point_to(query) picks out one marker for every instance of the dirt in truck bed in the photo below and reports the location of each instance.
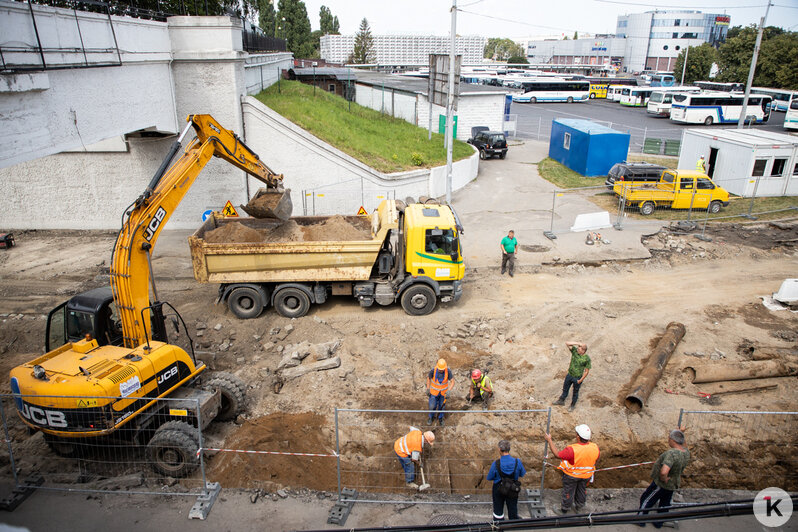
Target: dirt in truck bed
(333, 229)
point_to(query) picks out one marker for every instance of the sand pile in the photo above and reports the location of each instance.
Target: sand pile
(233, 232)
(335, 228)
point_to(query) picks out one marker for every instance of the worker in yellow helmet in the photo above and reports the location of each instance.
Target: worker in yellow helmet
(439, 382)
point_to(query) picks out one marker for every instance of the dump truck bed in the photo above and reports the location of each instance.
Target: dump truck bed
(641, 191)
(300, 260)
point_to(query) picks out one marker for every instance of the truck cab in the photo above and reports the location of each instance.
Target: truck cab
(432, 243)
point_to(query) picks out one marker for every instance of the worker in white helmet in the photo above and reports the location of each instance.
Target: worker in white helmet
(578, 463)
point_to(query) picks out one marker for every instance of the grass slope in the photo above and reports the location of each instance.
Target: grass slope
(385, 143)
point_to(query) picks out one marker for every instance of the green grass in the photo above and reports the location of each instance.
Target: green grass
(385, 143)
(564, 177)
(663, 160)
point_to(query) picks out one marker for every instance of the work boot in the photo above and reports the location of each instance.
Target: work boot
(412, 485)
(559, 402)
(512, 274)
(429, 421)
(441, 422)
(503, 272)
(572, 407)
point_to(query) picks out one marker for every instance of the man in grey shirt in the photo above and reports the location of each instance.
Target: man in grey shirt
(666, 475)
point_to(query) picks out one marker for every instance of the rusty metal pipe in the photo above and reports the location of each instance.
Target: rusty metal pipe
(645, 381)
(741, 371)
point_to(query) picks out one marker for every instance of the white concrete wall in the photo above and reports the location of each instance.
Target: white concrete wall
(390, 101)
(48, 112)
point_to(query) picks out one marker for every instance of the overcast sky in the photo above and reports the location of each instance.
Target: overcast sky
(520, 18)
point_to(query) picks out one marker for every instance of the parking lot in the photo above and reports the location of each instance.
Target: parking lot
(534, 120)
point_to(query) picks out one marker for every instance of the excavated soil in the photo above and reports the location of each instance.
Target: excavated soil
(265, 201)
(233, 232)
(333, 229)
(336, 228)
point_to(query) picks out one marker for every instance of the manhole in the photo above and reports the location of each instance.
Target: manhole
(534, 249)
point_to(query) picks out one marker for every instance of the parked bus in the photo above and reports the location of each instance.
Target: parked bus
(618, 92)
(718, 108)
(781, 97)
(600, 87)
(659, 103)
(722, 87)
(663, 79)
(553, 91)
(791, 118)
(635, 97)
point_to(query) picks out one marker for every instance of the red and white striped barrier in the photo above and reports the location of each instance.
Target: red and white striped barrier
(609, 468)
(242, 451)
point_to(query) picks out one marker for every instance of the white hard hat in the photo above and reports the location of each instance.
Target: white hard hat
(583, 431)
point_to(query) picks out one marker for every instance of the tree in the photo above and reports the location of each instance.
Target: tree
(267, 17)
(292, 15)
(327, 22)
(364, 45)
(502, 49)
(699, 63)
(517, 59)
(576, 35)
(776, 65)
(565, 37)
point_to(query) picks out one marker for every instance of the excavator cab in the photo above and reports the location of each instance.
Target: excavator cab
(93, 312)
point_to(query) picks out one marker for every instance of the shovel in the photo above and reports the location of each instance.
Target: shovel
(424, 485)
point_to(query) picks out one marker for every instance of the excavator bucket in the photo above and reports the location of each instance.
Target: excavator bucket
(270, 203)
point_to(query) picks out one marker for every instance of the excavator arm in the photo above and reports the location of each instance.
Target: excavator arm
(131, 269)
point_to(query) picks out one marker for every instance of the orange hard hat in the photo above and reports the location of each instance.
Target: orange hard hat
(430, 437)
(476, 374)
(441, 364)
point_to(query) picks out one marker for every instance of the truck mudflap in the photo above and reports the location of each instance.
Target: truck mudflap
(451, 291)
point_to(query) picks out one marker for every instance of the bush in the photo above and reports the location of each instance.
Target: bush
(417, 158)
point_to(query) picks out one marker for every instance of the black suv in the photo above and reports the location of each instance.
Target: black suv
(633, 172)
(489, 143)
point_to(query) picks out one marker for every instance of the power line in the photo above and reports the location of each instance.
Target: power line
(523, 23)
(640, 4)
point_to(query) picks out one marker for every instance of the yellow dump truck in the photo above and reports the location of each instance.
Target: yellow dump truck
(676, 189)
(407, 252)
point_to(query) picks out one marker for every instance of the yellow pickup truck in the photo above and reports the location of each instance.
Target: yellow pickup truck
(677, 189)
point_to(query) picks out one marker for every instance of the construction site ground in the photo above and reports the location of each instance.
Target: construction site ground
(618, 303)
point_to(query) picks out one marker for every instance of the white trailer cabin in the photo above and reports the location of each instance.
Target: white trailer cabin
(745, 162)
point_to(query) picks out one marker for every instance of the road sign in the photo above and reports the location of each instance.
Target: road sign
(207, 214)
(362, 212)
(229, 211)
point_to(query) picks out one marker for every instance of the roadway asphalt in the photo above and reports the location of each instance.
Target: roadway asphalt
(534, 120)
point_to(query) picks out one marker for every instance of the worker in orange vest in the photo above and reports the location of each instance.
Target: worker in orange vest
(408, 449)
(439, 382)
(578, 463)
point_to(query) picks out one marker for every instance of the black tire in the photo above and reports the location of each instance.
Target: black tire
(483, 154)
(533, 100)
(647, 208)
(570, 99)
(708, 121)
(592, 96)
(502, 155)
(419, 300)
(233, 392)
(65, 447)
(291, 302)
(172, 451)
(714, 207)
(245, 302)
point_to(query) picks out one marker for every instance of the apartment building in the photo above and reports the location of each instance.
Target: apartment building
(401, 50)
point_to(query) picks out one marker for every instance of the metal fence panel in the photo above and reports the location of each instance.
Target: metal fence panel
(568, 204)
(154, 451)
(323, 202)
(735, 449)
(456, 464)
(643, 205)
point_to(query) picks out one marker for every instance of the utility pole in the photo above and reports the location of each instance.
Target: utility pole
(684, 66)
(741, 120)
(450, 104)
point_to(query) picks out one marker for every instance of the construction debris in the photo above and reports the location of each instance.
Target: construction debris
(647, 378)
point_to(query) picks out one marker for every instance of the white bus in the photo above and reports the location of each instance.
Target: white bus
(781, 97)
(636, 97)
(723, 87)
(791, 118)
(619, 92)
(718, 108)
(553, 91)
(659, 103)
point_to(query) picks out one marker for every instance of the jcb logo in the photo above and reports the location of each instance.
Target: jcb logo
(154, 224)
(40, 416)
(168, 374)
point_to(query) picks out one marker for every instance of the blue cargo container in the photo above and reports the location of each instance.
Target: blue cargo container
(586, 147)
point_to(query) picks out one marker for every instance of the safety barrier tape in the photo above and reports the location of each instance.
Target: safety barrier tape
(243, 451)
(607, 468)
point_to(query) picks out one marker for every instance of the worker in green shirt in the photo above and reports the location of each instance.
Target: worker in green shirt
(666, 475)
(577, 372)
(509, 247)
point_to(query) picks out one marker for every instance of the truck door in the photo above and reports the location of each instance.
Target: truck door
(703, 189)
(683, 194)
(441, 257)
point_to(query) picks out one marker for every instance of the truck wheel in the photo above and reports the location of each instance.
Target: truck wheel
(172, 451)
(570, 99)
(647, 208)
(64, 447)
(245, 302)
(708, 121)
(233, 392)
(419, 300)
(714, 207)
(291, 302)
(483, 154)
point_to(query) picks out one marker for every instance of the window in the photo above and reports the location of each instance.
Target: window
(440, 241)
(795, 169)
(759, 167)
(678, 21)
(331, 87)
(704, 184)
(566, 141)
(686, 184)
(675, 35)
(778, 167)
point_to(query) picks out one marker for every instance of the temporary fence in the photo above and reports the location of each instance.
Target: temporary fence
(457, 463)
(754, 449)
(567, 205)
(327, 201)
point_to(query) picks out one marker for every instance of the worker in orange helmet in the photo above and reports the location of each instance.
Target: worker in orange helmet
(408, 449)
(481, 389)
(439, 382)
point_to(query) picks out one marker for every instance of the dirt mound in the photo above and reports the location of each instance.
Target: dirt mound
(233, 232)
(335, 228)
(290, 433)
(289, 231)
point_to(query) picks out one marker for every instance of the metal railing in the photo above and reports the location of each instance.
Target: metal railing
(258, 42)
(329, 201)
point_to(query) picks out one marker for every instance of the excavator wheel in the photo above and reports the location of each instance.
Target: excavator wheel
(233, 391)
(64, 447)
(172, 451)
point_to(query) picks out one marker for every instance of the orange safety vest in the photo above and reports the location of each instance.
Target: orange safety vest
(584, 465)
(412, 441)
(436, 387)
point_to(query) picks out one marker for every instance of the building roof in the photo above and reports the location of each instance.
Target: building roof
(330, 72)
(749, 137)
(419, 85)
(586, 126)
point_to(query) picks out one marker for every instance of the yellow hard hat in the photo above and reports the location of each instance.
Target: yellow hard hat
(441, 364)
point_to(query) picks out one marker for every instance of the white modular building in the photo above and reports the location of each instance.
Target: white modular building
(750, 162)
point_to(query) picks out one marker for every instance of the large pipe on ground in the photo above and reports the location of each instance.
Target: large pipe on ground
(740, 371)
(645, 381)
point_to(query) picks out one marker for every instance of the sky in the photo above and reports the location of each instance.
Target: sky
(523, 18)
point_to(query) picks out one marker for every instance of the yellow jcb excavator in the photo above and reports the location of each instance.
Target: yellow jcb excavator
(109, 356)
